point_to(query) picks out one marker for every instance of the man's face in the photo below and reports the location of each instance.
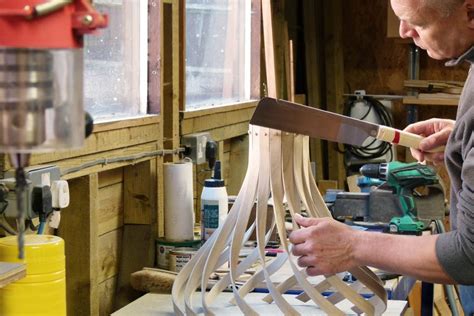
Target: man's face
(442, 37)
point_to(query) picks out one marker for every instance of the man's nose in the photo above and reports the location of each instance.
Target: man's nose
(406, 30)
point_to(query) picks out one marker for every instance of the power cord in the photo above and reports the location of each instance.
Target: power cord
(374, 149)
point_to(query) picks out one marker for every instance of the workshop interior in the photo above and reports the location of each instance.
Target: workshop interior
(127, 128)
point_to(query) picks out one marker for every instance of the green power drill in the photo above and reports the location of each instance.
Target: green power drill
(403, 178)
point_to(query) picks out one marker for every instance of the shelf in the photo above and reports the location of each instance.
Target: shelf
(11, 272)
(433, 101)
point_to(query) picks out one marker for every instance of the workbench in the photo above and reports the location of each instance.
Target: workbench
(161, 304)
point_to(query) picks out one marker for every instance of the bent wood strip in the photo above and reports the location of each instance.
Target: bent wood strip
(279, 170)
(277, 190)
(267, 163)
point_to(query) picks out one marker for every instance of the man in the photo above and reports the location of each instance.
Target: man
(445, 29)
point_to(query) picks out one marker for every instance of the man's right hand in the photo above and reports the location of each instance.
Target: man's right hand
(436, 133)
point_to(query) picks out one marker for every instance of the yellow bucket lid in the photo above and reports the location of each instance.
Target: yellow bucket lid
(43, 253)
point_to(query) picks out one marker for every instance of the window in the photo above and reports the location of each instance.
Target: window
(218, 52)
(115, 62)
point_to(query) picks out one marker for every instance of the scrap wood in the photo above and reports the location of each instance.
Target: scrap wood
(451, 87)
(438, 95)
(11, 272)
(153, 280)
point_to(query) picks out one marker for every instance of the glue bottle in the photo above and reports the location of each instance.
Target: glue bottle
(214, 203)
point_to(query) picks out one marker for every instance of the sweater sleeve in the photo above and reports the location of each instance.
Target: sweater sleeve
(455, 250)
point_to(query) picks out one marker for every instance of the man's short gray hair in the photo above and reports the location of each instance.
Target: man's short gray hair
(444, 7)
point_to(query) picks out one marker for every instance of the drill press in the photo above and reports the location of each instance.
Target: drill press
(41, 106)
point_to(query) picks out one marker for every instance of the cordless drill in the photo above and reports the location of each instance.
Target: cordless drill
(403, 178)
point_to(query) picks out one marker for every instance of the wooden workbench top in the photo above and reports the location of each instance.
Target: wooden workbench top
(160, 304)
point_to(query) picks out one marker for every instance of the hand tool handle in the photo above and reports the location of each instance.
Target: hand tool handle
(403, 138)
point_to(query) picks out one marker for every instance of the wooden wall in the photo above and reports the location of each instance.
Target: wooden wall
(115, 211)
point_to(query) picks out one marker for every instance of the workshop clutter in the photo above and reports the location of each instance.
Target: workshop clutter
(164, 247)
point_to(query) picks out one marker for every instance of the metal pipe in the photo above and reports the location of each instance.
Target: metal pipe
(51, 6)
(413, 74)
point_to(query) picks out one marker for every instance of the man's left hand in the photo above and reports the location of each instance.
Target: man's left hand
(323, 245)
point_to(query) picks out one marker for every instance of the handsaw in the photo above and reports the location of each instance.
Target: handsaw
(301, 119)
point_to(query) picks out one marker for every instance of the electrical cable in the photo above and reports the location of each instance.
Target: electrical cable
(106, 161)
(41, 228)
(6, 226)
(372, 150)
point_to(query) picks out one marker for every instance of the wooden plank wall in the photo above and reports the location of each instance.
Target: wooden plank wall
(110, 203)
(110, 221)
(228, 125)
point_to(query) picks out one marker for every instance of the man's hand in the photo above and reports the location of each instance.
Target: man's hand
(437, 132)
(324, 246)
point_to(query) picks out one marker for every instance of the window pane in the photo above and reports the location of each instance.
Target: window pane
(113, 62)
(217, 52)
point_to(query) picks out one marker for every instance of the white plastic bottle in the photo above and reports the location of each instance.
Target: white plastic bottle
(214, 204)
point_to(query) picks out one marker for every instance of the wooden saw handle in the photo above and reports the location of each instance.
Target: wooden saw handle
(403, 138)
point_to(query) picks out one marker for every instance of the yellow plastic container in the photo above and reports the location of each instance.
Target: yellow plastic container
(43, 290)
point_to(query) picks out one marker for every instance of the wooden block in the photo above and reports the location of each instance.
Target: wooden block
(153, 280)
(324, 185)
(414, 298)
(11, 272)
(300, 98)
(440, 304)
(352, 183)
(439, 95)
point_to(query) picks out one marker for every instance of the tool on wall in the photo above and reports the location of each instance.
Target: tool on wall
(41, 106)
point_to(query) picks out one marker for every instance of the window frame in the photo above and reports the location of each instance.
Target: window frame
(138, 58)
(255, 60)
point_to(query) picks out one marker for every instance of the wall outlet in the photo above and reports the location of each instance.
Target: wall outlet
(36, 176)
(197, 145)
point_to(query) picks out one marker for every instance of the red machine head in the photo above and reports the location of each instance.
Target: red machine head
(50, 24)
